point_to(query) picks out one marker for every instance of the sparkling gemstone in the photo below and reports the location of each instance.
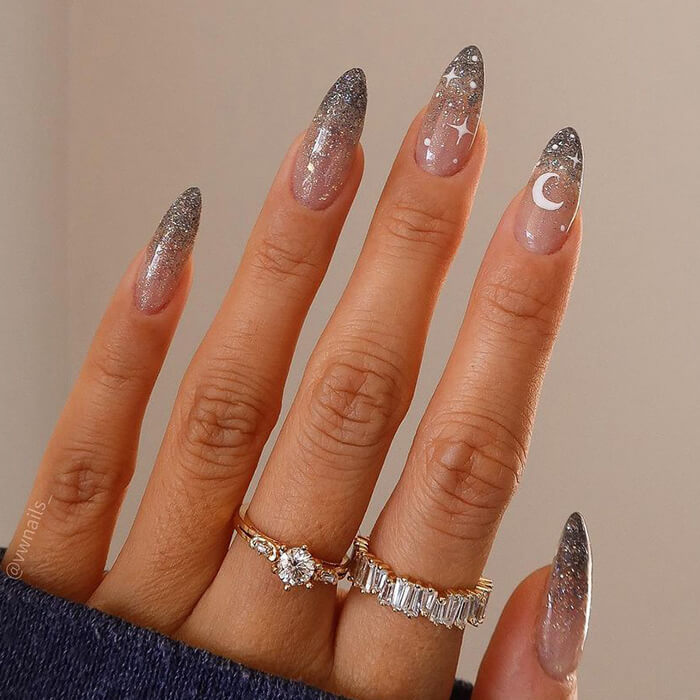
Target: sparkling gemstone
(412, 608)
(437, 614)
(296, 567)
(400, 586)
(369, 578)
(386, 594)
(451, 610)
(464, 612)
(360, 571)
(406, 596)
(381, 576)
(328, 577)
(262, 546)
(427, 602)
(479, 612)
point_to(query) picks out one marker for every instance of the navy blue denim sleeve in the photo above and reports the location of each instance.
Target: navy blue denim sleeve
(51, 648)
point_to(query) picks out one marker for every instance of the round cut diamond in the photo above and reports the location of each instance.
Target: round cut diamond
(296, 567)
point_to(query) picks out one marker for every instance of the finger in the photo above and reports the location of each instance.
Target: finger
(230, 398)
(62, 541)
(361, 376)
(471, 445)
(537, 645)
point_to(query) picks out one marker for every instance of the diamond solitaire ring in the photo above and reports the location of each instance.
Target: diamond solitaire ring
(295, 566)
(453, 608)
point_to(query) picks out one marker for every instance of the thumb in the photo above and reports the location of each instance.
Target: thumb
(538, 641)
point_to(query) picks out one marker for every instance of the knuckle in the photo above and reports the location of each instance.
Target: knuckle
(228, 419)
(354, 405)
(284, 256)
(523, 308)
(472, 468)
(430, 225)
(115, 367)
(83, 482)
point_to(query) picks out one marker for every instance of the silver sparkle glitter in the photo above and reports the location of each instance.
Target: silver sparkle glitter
(328, 149)
(564, 623)
(168, 252)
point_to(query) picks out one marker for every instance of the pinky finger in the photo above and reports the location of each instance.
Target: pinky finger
(538, 641)
(62, 541)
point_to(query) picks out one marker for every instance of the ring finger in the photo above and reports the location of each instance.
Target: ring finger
(470, 448)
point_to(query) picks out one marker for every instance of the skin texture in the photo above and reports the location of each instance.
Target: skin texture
(176, 572)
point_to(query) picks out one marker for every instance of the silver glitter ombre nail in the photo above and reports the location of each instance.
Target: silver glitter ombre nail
(168, 252)
(552, 196)
(452, 116)
(564, 623)
(327, 152)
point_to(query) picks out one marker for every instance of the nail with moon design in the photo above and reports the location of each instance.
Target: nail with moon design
(551, 200)
(452, 116)
(327, 152)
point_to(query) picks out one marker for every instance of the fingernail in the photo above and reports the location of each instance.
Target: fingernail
(452, 117)
(564, 623)
(326, 154)
(551, 199)
(168, 252)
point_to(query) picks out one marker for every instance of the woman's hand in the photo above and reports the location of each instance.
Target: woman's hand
(178, 571)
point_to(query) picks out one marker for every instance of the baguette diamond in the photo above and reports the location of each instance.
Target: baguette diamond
(452, 609)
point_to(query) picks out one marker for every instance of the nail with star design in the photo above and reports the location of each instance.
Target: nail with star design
(562, 628)
(551, 200)
(452, 116)
(326, 154)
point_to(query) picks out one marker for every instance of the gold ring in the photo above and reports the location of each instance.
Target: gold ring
(294, 565)
(451, 608)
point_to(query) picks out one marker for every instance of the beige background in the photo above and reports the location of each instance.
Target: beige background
(111, 109)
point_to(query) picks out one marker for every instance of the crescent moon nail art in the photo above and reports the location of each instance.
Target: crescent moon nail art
(452, 116)
(551, 199)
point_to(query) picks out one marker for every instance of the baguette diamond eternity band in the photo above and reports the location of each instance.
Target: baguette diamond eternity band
(452, 608)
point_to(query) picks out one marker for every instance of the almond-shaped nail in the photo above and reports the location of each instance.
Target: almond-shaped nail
(552, 196)
(452, 116)
(168, 252)
(328, 149)
(563, 626)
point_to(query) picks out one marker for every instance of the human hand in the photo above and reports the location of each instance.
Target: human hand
(178, 571)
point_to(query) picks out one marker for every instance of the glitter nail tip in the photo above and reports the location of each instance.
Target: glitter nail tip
(328, 149)
(452, 117)
(168, 252)
(551, 199)
(563, 626)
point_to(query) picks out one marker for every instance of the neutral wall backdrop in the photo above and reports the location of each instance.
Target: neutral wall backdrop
(109, 110)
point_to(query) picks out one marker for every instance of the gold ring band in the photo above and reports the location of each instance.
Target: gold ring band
(294, 565)
(451, 608)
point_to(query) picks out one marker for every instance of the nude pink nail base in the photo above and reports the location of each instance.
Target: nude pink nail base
(452, 116)
(323, 162)
(168, 252)
(552, 196)
(563, 626)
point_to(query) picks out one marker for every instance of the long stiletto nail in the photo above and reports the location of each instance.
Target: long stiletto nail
(326, 154)
(552, 196)
(564, 622)
(168, 252)
(452, 117)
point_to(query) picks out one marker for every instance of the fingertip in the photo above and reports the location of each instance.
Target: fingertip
(511, 666)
